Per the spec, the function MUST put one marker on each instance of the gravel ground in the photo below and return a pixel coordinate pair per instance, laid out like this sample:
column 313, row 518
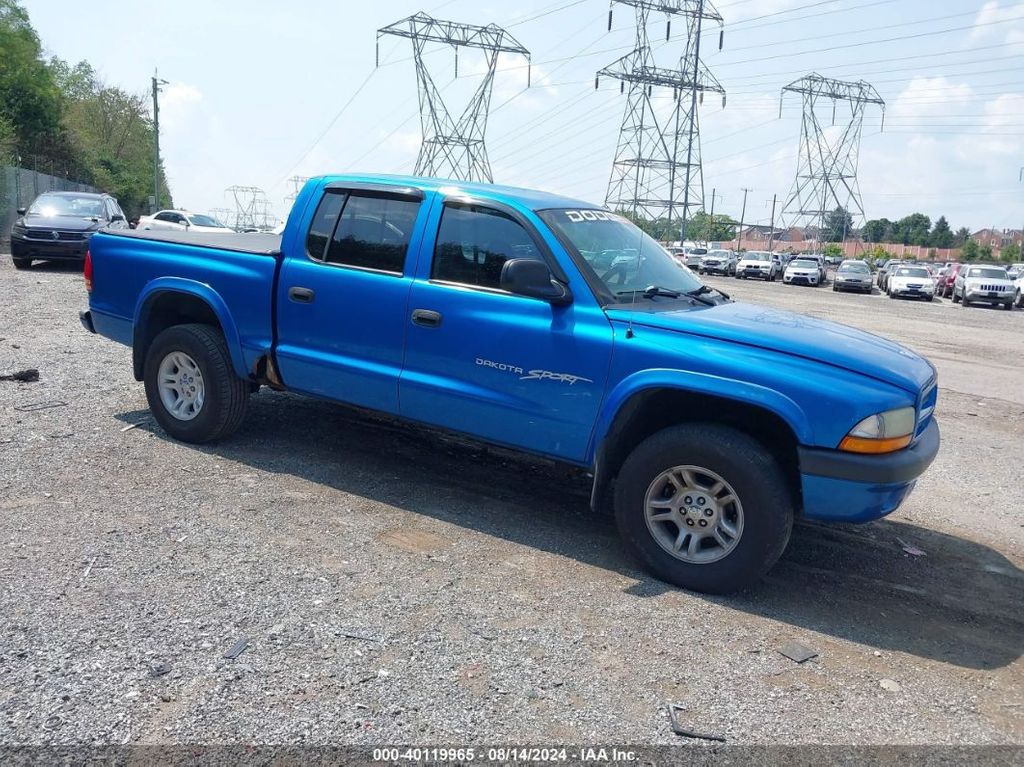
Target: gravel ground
column 392, row 586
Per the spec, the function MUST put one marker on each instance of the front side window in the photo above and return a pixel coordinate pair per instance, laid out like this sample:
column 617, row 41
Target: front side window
column 473, row 244
column 621, row 255
column 172, row 218
column 324, row 221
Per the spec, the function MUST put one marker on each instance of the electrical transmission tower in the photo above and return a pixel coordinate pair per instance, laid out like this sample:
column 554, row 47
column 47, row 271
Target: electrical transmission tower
column 454, row 148
column 251, row 206
column 657, row 171
column 225, row 215
column 826, row 171
column 297, row 183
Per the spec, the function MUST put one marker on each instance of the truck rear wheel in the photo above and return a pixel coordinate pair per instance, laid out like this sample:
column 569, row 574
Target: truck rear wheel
column 704, row 506
column 192, row 389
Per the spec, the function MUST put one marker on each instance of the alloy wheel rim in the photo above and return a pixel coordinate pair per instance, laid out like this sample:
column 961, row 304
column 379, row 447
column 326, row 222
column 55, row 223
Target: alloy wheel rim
column 693, row 514
column 181, row 386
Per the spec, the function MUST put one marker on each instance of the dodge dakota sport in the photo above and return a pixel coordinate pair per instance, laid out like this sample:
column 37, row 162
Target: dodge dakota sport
column 539, row 323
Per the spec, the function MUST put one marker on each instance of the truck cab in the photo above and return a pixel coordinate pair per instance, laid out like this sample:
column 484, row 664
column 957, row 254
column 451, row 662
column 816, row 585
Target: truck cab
column 539, row 323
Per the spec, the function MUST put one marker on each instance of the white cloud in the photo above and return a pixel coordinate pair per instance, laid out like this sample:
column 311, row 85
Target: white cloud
column 177, row 104
column 995, row 21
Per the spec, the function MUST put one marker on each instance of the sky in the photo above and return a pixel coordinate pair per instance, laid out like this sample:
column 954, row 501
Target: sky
column 262, row 90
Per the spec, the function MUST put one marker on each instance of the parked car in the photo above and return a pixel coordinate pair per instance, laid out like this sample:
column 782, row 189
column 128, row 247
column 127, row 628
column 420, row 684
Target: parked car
column 984, row 284
column 822, row 266
column 802, row 271
column 760, row 264
column 944, row 286
column 1015, row 271
column 719, row 262
column 884, row 272
column 852, row 275
column 692, row 257
column 57, row 226
column 1018, row 284
column 183, row 221
column 707, row 424
column 910, row 282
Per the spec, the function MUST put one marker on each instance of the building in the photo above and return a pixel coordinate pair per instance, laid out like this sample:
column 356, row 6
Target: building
column 997, row 239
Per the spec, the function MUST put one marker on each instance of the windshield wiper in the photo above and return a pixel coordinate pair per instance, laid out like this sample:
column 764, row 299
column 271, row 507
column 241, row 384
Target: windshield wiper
column 704, row 289
column 650, row 292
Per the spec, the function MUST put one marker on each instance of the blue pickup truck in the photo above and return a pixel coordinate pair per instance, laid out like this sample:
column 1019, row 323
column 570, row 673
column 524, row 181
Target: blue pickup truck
column 539, row 323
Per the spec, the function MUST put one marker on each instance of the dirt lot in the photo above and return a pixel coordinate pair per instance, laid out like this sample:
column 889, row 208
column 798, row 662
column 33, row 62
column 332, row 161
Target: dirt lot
column 396, row 587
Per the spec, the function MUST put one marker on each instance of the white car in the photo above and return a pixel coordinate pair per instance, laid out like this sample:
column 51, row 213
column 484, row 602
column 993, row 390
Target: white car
column 984, row 284
column 802, row 271
column 911, row 282
column 183, row 221
column 760, row 264
column 718, row 262
column 1019, row 291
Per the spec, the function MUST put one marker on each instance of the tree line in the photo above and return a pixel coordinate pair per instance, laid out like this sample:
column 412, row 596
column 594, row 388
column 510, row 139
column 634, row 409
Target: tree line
column 62, row 119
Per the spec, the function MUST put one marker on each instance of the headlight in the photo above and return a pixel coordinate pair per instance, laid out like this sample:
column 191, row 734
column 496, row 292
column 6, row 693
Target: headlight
column 882, row 433
column 18, row 228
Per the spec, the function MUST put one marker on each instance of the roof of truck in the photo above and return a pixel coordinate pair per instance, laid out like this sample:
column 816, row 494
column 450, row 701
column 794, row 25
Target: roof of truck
column 531, row 198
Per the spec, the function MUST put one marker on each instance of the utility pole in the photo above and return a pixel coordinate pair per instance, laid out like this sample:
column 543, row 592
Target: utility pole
column 711, row 220
column 743, row 213
column 157, row 82
column 771, row 227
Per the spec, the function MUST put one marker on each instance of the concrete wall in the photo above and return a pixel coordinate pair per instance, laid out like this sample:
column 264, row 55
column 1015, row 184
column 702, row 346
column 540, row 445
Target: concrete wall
column 18, row 187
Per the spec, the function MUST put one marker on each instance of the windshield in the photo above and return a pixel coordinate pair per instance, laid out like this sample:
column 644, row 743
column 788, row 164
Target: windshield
column 622, row 257
column 50, row 205
column 860, row 268
column 720, row 253
column 803, row 263
column 201, row 220
column 757, row 255
column 989, row 274
column 915, row 272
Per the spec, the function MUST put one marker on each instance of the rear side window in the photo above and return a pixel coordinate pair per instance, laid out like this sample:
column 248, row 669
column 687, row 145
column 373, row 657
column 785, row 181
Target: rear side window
column 473, row 244
column 373, row 233
column 324, row 221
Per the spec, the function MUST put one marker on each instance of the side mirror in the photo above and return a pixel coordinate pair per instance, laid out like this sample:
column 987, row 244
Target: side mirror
column 22, row 211
column 529, row 277
column 117, row 217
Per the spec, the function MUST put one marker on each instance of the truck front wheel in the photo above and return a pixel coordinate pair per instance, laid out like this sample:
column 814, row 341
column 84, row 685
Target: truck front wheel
column 704, row 506
column 192, row 389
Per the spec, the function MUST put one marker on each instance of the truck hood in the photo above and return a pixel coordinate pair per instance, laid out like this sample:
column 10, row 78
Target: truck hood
column 795, row 334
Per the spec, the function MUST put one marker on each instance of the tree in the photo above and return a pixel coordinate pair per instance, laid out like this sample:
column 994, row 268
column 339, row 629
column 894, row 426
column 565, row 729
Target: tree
column 985, row 253
column 1011, row 253
column 833, row 251
column 877, row 230
column 913, row 229
column 31, row 105
column 837, row 225
column 963, row 234
column 969, row 252
column 701, row 227
column 942, row 235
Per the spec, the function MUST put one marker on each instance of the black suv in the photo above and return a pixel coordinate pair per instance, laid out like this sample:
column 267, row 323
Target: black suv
column 57, row 226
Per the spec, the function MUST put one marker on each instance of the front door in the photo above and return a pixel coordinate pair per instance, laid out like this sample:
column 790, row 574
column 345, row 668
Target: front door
column 342, row 309
column 498, row 366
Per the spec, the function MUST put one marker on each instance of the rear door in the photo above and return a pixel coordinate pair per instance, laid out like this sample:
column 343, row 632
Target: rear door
column 342, row 299
column 499, row 366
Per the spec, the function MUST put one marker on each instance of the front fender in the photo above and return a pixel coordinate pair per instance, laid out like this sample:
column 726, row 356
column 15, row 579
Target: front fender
column 204, row 293
column 699, row 383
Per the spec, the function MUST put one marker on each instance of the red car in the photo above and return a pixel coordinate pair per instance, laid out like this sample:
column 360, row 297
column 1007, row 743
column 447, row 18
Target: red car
column 944, row 287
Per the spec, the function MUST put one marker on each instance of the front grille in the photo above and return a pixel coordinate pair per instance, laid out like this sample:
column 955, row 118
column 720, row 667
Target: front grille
column 48, row 235
column 926, row 408
column 993, row 288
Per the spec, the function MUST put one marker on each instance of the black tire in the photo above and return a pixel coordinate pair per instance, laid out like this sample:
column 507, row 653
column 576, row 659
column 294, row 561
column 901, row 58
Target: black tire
column 956, row 298
column 1020, row 299
column 756, row 479
column 21, row 263
column 965, row 301
column 227, row 395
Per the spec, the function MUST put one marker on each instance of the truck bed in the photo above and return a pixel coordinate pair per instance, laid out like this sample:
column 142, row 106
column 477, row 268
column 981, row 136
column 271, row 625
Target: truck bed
column 257, row 244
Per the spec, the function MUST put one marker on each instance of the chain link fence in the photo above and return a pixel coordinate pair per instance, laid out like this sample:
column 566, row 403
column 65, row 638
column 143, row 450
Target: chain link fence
column 19, row 186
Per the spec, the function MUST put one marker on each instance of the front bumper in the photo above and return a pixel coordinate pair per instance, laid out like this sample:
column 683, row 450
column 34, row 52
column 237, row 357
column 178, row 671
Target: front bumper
column 853, row 285
column 755, row 272
column 801, row 279
column 49, row 250
column 993, row 296
column 911, row 293
column 848, row 487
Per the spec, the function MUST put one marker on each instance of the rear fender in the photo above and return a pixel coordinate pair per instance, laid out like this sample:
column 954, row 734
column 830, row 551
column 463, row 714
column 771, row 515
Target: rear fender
column 204, row 293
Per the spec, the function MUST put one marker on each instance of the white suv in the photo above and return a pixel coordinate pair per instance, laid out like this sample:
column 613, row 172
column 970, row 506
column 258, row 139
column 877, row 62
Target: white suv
column 984, row 284
column 759, row 263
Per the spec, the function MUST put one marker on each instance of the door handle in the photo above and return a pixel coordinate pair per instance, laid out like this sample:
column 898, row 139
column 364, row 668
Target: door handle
column 426, row 318
column 301, row 295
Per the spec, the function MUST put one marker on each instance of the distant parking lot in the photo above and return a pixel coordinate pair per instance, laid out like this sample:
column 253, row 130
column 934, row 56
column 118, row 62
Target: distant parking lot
column 386, row 585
